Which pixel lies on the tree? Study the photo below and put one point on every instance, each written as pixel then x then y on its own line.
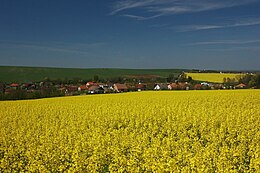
pixel 246 79
pixel 182 78
pixel 224 80
pixel 96 78
pixel 258 80
pixel 170 78
pixel 252 83
pixel 251 80
pixel 228 80
pixel 189 79
pixel 2 88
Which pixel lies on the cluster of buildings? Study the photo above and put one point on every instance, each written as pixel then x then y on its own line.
pixel 100 88
pixel 96 88
pixel 69 89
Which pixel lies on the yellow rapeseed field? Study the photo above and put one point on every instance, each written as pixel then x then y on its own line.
pixel 213 77
pixel 168 131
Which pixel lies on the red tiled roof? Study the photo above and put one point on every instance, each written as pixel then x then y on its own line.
pixel 241 85
pixel 197 86
pixel 90 83
pixel 14 85
pixel 174 85
pixel 83 87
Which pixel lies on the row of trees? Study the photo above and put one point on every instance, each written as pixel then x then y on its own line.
pixel 250 80
pixel 20 94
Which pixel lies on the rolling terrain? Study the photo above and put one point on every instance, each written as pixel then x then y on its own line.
pixel 31 74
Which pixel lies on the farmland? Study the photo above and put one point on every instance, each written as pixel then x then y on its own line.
pixel 164 131
pixel 34 74
pixel 212 77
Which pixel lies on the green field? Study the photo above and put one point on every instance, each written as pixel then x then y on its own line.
pixel 213 77
pixel 31 74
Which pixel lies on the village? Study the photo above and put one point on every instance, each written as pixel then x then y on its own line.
pixel 50 89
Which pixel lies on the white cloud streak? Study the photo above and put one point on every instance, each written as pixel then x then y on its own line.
pixel 139 17
pixel 157 8
pixel 244 22
pixel 245 48
pixel 225 42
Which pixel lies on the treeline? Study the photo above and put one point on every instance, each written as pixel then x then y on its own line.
pixel 251 80
pixel 24 95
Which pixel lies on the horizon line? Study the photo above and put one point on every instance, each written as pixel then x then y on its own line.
pixel 120 68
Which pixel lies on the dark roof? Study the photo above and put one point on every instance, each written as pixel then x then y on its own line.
pixel 140 86
pixel 162 86
pixel 121 86
pixel 93 88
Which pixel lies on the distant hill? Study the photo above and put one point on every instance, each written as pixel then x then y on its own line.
pixel 10 74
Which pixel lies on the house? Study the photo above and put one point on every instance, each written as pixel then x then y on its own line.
pixel 71 88
pixel 183 86
pixel 179 86
pixel 204 84
pixel 140 87
pixel 197 87
pixel 95 90
pixel 157 87
pixel 120 87
pixel 89 84
pixel 108 89
pixel 82 88
pixel 160 87
pixel 26 86
pixel 240 86
pixel 14 86
pixel 173 86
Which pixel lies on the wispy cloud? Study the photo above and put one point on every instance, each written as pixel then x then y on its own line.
pixel 74 48
pixel 241 23
pixel 157 8
pixel 225 42
pixel 236 48
pixel 139 17
pixel 128 4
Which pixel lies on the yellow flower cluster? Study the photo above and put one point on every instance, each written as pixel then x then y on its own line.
pixel 167 131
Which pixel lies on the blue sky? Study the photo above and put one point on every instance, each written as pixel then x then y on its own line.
pixel 201 34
